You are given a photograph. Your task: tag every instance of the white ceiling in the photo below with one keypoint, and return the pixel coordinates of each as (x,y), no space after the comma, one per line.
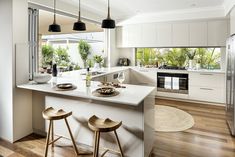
(122,9)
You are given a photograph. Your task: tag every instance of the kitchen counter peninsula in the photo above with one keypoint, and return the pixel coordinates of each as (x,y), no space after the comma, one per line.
(134,106)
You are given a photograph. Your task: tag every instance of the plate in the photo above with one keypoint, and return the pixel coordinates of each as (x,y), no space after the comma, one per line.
(64,85)
(105,90)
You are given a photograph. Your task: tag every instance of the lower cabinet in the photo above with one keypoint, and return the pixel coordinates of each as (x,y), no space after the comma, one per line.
(208,94)
(209,87)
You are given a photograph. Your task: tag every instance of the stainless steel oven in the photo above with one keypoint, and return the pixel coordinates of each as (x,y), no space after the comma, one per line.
(172,82)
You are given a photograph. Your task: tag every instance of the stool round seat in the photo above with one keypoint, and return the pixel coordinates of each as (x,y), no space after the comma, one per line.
(103,125)
(52,114)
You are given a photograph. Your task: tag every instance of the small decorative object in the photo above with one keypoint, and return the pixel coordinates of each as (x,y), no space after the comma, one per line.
(54,70)
(88,78)
(42,78)
(123,62)
(64,85)
(121,77)
(191,54)
(106,90)
(98,60)
(84,51)
(198,66)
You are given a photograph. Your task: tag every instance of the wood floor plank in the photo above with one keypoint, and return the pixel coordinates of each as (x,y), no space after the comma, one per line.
(209,137)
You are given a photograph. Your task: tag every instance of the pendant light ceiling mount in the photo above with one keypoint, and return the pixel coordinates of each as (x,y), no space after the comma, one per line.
(108,23)
(54,27)
(79,25)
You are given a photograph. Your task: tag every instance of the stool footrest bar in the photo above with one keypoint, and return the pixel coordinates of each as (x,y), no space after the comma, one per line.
(55,140)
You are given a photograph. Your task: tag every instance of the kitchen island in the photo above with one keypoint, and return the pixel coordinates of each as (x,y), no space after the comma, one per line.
(134,106)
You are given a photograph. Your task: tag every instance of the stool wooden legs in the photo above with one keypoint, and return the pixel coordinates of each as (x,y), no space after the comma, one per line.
(119,145)
(97,143)
(48,138)
(52,133)
(71,135)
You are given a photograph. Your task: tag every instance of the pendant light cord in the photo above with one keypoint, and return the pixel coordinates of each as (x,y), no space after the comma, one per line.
(54,12)
(79,10)
(108,10)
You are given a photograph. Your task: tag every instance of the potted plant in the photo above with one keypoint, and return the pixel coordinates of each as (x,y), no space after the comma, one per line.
(98,59)
(191,54)
(198,64)
(84,51)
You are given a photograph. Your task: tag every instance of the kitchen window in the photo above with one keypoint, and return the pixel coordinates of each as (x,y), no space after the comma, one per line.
(47,48)
(195,58)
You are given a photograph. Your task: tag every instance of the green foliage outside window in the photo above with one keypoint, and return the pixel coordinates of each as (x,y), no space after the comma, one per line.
(62,57)
(208,58)
(47,55)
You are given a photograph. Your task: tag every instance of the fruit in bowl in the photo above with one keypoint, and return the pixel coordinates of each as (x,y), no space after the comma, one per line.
(41,78)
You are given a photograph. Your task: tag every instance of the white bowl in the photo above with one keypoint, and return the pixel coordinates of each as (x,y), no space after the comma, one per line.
(42,78)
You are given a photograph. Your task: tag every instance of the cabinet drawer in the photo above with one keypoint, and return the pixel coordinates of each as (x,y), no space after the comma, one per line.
(207,80)
(207,94)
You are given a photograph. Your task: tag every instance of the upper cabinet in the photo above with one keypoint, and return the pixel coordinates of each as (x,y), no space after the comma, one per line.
(149,35)
(198,34)
(175,34)
(180,34)
(164,33)
(217,32)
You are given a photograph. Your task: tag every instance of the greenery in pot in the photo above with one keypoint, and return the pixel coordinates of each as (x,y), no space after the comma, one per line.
(98,58)
(190,53)
(84,51)
(47,55)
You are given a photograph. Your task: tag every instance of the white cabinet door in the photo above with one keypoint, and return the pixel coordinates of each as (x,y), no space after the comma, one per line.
(198,34)
(134,35)
(217,32)
(207,94)
(180,34)
(144,77)
(149,35)
(207,87)
(164,34)
(122,36)
(206,79)
(119,38)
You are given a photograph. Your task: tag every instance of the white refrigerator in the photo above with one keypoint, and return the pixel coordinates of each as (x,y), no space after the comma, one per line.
(230,84)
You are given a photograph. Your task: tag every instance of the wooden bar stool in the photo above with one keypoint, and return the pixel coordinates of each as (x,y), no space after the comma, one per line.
(103,125)
(51,114)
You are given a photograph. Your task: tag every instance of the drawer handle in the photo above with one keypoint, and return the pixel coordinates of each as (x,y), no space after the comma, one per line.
(205,74)
(206,89)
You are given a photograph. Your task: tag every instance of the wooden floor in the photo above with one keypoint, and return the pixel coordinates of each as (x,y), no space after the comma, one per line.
(209,137)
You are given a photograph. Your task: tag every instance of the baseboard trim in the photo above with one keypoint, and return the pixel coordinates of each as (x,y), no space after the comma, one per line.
(192,101)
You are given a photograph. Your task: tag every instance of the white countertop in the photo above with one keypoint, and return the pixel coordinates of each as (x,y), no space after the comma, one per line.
(143,69)
(131,95)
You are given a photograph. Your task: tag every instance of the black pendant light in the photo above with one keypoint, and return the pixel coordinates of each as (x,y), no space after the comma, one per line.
(54,27)
(79,25)
(108,22)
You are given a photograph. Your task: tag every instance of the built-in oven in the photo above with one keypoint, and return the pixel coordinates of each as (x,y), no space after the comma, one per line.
(172,82)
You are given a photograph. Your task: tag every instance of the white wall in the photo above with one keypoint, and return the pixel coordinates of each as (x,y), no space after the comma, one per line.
(6,91)
(22,99)
(232,21)
(15,104)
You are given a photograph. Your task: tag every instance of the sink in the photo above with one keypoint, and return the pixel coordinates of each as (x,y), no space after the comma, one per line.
(93,73)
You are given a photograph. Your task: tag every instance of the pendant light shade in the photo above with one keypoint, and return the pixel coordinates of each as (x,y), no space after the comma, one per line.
(108,23)
(54,27)
(79,25)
